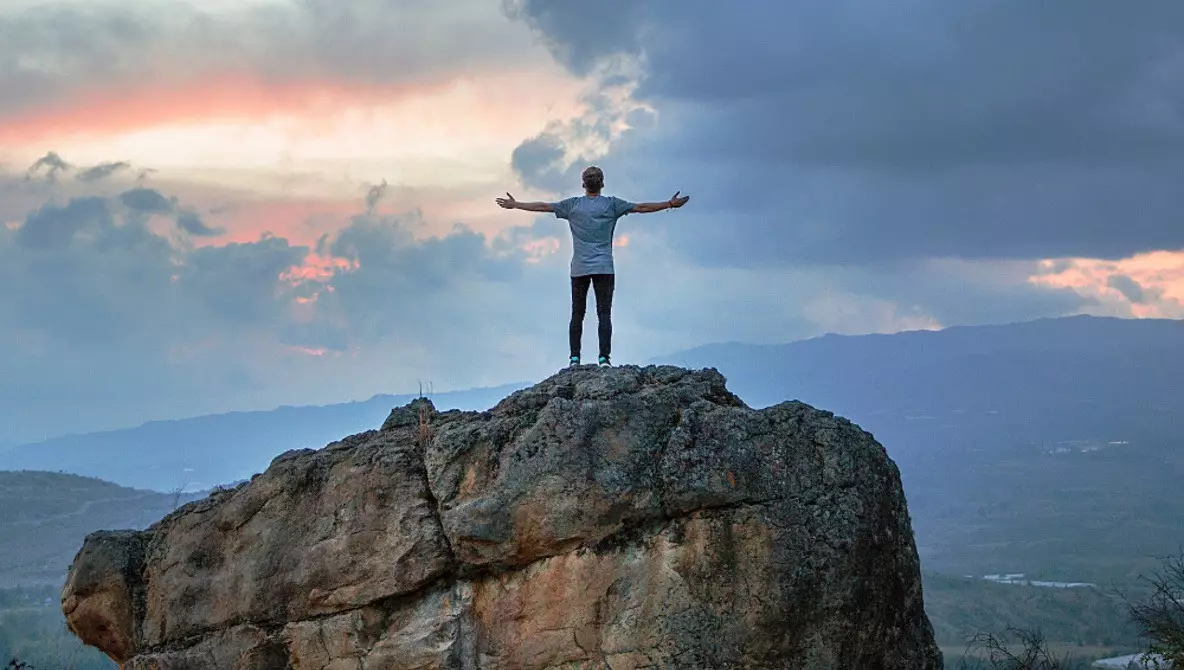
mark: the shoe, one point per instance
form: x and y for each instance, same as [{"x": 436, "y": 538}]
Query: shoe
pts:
[
  {"x": 604, "y": 363},
  {"x": 574, "y": 362}
]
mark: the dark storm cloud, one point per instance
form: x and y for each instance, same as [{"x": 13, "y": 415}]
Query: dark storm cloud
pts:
[
  {"x": 847, "y": 132},
  {"x": 580, "y": 34}
]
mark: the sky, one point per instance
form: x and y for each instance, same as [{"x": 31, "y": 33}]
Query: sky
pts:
[{"x": 217, "y": 206}]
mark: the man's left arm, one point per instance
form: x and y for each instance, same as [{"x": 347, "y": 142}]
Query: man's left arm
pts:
[{"x": 673, "y": 203}]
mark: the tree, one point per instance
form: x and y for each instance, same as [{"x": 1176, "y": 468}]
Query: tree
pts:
[
  {"x": 1014, "y": 649},
  {"x": 1161, "y": 615}
]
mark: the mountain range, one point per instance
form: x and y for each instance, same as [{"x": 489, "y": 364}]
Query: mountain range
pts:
[{"x": 1044, "y": 382}]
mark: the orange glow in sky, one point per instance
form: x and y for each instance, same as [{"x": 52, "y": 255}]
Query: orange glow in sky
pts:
[{"x": 312, "y": 138}]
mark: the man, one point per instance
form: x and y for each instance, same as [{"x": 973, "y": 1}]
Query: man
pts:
[{"x": 592, "y": 218}]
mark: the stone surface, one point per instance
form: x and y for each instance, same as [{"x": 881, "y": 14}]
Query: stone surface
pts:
[
  {"x": 318, "y": 532},
  {"x": 604, "y": 518},
  {"x": 102, "y": 592}
]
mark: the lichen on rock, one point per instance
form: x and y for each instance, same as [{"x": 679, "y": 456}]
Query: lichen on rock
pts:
[{"x": 604, "y": 518}]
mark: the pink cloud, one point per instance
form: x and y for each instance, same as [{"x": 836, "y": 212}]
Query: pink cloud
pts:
[
  {"x": 317, "y": 268},
  {"x": 1149, "y": 285},
  {"x": 309, "y": 351},
  {"x": 223, "y": 98}
]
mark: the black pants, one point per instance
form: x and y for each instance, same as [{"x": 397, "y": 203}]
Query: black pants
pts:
[{"x": 603, "y": 285}]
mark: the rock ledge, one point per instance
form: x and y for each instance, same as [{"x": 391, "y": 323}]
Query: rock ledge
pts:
[{"x": 617, "y": 518}]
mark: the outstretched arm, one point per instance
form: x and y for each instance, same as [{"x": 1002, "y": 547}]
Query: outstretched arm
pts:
[
  {"x": 509, "y": 202},
  {"x": 673, "y": 203}
]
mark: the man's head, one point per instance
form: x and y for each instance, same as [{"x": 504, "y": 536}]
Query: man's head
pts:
[{"x": 593, "y": 179}]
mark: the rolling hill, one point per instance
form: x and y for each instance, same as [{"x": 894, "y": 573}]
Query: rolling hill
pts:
[{"x": 47, "y": 514}]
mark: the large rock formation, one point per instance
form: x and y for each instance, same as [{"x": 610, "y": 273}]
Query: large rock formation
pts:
[{"x": 620, "y": 518}]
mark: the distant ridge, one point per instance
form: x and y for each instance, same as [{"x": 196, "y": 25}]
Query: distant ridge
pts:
[
  {"x": 1049, "y": 379},
  {"x": 206, "y": 451}
]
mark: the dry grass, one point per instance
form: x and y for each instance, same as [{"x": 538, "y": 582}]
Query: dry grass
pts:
[{"x": 424, "y": 416}]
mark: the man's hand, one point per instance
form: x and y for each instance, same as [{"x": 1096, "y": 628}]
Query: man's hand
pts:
[
  {"x": 507, "y": 202},
  {"x": 673, "y": 203}
]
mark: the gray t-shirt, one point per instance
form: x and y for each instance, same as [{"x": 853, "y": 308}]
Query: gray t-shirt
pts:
[{"x": 592, "y": 220}]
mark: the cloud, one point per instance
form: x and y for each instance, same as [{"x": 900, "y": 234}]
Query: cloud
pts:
[
  {"x": 68, "y": 51},
  {"x": 1129, "y": 288},
  {"x": 56, "y": 226},
  {"x": 237, "y": 283},
  {"x": 851, "y": 133},
  {"x": 1144, "y": 285},
  {"x": 554, "y": 159},
  {"x": 394, "y": 282},
  {"x": 102, "y": 171},
  {"x": 51, "y": 163},
  {"x": 538, "y": 162},
  {"x": 684, "y": 304},
  {"x": 105, "y": 299},
  {"x": 147, "y": 201},
  {"x": 374, "y": 195},
  {"x": 962, "y": 291},
  {"x": 612, "y": 28},
  {"x": 118, "y": 321},
  {"x": 192, "y": 224}
]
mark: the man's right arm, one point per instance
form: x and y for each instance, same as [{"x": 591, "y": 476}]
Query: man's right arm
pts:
[
  {"x": 509, "y": 202},
  {"x": 535, "y": 206}
]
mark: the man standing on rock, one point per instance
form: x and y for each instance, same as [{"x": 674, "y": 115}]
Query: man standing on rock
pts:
[{"x": 592, "y": 218}]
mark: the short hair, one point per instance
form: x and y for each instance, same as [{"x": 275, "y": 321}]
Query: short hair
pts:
[{"x": 593, "y": 178}]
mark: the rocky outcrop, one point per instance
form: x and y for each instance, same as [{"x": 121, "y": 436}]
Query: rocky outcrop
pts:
[{"x": 620, "y": 518}]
